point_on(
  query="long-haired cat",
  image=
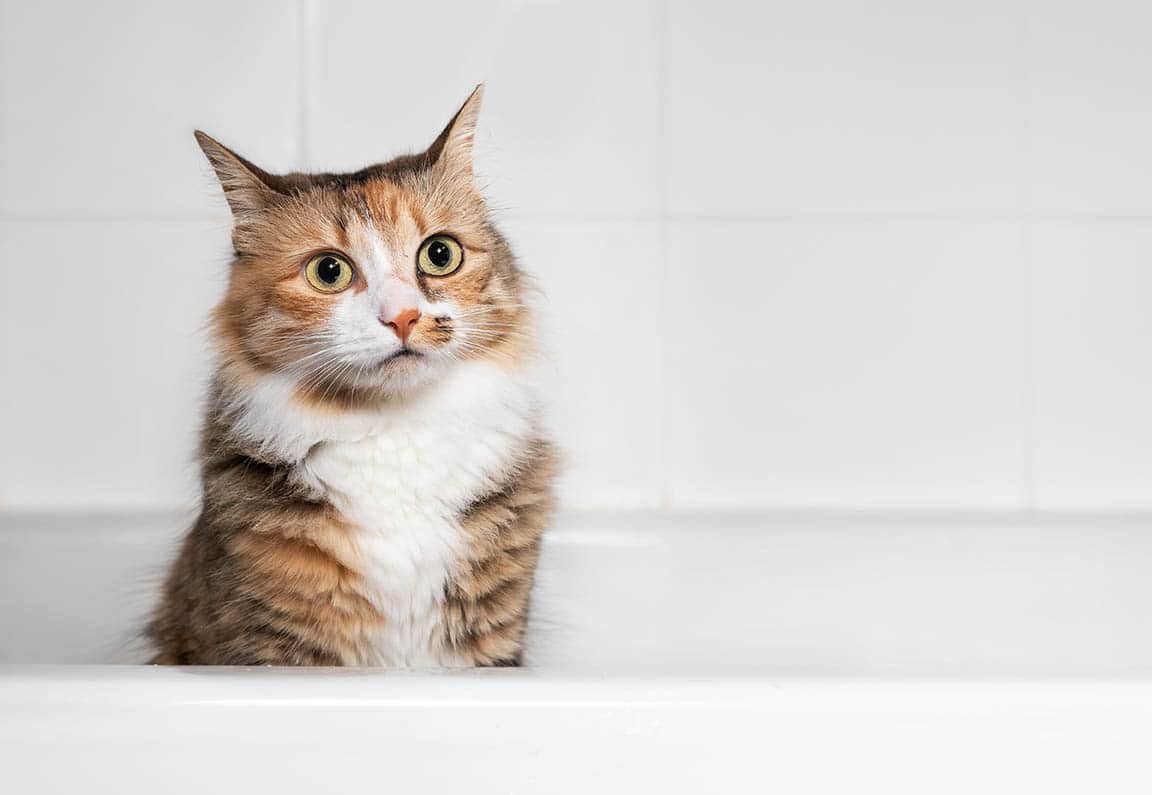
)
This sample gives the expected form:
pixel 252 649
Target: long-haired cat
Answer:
pixel 375 476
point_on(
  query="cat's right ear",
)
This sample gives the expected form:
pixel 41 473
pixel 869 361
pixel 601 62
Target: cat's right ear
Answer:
pixel 247 188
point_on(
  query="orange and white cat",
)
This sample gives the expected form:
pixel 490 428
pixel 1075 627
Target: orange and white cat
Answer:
pixel 376 479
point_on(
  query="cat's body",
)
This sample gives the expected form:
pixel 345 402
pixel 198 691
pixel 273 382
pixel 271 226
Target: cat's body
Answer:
pixel 370 497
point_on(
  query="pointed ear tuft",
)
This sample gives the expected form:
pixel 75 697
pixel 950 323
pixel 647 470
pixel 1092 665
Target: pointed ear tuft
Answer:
pixel 452 149
pixel 247 188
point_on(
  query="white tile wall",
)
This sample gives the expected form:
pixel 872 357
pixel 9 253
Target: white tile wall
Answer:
pixel 571 110
pixel 605 385
pixel 805 370
pixel 1092 321
pixel 100 100
pixel 832 106
pixel 890 254
pixel 103 369
pixel 1090 106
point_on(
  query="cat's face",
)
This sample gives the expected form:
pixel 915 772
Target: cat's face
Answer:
pixel 360 286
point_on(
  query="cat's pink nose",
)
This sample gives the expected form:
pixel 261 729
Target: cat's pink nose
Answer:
pixel 402 322
pixel 398 303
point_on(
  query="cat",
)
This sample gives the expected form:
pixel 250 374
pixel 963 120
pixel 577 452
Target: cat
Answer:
pixel 376 477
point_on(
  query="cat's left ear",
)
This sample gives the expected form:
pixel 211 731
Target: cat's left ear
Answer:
pixel 452 149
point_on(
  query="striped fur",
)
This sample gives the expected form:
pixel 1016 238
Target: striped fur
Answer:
pixel 364 503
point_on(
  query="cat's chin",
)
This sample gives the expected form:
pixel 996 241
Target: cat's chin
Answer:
pixel 405 371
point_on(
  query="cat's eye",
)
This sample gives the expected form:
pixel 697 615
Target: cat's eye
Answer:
pixel 440 255
pixel 329 273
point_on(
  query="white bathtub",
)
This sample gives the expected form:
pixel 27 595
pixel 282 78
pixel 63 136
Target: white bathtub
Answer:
pixel 792 654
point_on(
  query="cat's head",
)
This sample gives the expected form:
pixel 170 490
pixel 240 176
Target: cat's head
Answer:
pixel 362 286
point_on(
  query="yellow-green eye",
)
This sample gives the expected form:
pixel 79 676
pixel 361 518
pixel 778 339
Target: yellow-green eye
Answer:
pixel 439 255
pixel 328 273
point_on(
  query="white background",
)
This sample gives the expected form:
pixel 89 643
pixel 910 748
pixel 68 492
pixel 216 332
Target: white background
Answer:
pixel 894 254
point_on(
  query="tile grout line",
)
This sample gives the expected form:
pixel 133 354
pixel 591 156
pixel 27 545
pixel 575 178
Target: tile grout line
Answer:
pixel 112 218
pixel 1028 430
pixel 303 98
pixel 1024 177
pixel 664 495
pixel 1022 218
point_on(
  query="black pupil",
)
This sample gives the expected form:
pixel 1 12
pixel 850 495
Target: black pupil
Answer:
pixel 329 270
pixel 439 254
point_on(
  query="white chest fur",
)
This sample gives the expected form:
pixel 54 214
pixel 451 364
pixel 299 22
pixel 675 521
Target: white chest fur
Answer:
pixel 403 477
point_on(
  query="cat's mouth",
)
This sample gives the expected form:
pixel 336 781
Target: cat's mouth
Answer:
pixel 403 354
